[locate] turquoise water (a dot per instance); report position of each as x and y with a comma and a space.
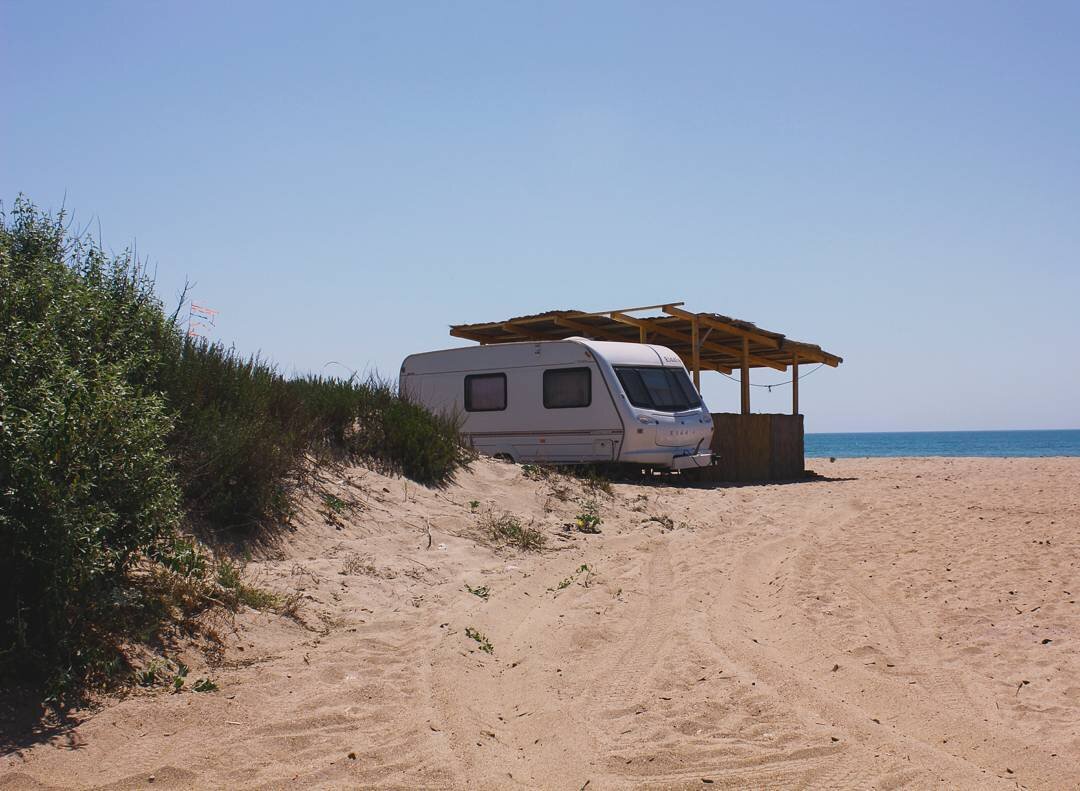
945, 443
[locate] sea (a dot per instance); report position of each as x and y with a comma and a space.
1065, 442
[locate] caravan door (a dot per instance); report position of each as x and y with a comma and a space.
570, 415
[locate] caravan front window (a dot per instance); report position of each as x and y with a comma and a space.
485, 392
662, 389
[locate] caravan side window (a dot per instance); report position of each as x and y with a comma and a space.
567, 387
485, 392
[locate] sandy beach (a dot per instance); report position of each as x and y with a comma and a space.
892, 623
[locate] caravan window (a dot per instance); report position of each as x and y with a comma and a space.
567, 387
485, 392
662, 389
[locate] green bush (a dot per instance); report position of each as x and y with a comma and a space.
239, 434
404, 437
242, 431
85, 485
115, 427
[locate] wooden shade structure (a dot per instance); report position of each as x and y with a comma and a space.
704, 341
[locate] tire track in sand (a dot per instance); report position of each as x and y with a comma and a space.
792, 660
667, 713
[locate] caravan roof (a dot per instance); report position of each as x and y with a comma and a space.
575, 350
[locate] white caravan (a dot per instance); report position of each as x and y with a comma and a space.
568, 402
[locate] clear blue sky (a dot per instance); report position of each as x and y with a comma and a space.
897, 182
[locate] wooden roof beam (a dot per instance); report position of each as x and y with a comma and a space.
572, 314
626, 310
709, 365
812, 354
526, 333
469, 336
660, 329
622, 318
805, 351
723, 326
494, 325
585, 329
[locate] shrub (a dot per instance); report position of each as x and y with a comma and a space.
242, 430
85, 484
404, 437
507, 529
115, 426
239, 434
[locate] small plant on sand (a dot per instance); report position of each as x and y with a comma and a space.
180, 677
474, 506
237, 592
334, 503
204, 685
147, 677
664, 521
356, 564
590, 476
507, 529
535, 472
588, 521
482, 592
479, 637
181, 556
584, 569
595, 482
568, 581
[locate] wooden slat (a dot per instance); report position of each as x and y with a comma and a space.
625, 310
764, 351
813, 354
707, 365
660, 329
576, 314
493, 325
525, 333
755, 448
745, 376
734, 353
654, 328
783, 348
593, 332
713, 364
709, 321
757, 360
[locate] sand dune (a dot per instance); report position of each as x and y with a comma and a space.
896, 623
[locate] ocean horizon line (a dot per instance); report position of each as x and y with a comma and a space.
1028, 443
945, 431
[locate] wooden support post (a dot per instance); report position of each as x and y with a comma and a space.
642, 334
795, 384
695, 343
745, 375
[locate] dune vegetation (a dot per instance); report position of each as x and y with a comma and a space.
120, 435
